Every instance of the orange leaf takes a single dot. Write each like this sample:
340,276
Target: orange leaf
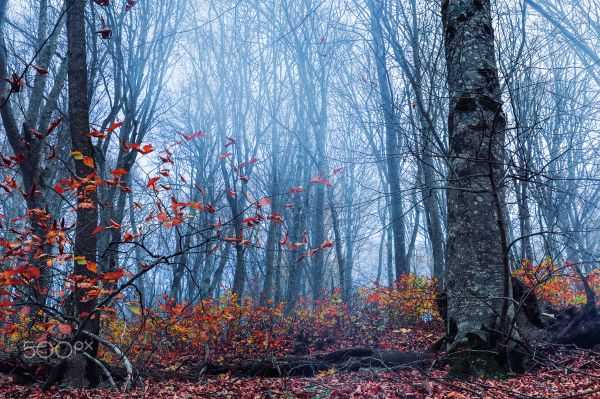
89,162
147,149
92,266
118,172
96,133
114,276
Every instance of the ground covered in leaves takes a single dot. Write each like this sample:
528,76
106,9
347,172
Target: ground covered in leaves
170,344
575,376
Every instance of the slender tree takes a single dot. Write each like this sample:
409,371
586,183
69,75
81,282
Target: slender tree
84,246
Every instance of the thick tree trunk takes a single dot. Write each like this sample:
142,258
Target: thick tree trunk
389,255
183,244
350,237
239,276
478,277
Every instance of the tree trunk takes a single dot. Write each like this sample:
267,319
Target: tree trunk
478,277
392,145
87,208
338,247
524,221
31,147
271,244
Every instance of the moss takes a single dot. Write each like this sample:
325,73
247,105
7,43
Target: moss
476,363
476,359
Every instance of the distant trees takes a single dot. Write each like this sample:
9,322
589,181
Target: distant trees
300,148
27,140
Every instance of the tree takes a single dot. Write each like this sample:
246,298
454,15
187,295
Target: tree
478,283
24,141
392,141
81,304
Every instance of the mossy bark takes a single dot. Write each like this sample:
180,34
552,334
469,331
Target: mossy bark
478,284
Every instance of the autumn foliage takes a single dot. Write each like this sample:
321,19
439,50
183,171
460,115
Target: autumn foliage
556,283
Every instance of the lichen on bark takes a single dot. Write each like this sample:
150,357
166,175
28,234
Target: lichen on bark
478,284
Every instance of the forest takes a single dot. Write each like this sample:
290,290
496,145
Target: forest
314,199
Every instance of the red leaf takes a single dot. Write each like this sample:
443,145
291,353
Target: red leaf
247,163
53,125
283,241
40,70
65,329
230,141
152,181
105,32
263,202
296,190
129,5
320,180
59,189
202,191
114,126
194,135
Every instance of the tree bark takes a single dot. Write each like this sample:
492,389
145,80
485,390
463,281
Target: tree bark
478,280
87,207
338,246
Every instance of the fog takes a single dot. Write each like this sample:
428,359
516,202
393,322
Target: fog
335,111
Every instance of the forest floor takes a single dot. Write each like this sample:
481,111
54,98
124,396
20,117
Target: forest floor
183,351
571,374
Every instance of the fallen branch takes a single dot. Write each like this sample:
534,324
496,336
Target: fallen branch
344,360
119,353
